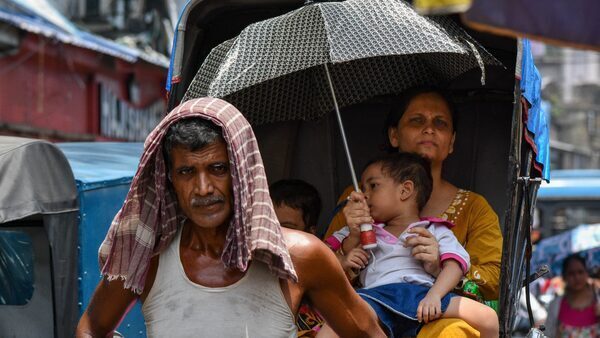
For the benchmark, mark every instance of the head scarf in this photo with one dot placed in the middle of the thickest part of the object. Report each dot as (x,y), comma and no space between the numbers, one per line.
(149,218)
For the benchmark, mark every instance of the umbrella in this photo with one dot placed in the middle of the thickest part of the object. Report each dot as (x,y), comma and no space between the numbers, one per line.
(304,64)
(584,239)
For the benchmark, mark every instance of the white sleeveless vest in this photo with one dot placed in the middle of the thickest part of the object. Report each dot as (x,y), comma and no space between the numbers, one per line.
(254,306)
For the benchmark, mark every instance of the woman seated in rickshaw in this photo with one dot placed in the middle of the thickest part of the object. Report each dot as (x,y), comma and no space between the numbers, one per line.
(423,121)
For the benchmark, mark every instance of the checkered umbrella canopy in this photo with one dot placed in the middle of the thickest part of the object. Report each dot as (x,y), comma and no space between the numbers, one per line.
(274,70)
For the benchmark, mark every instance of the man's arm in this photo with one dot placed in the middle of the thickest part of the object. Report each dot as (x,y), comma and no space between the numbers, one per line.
(108,306)
(324,282)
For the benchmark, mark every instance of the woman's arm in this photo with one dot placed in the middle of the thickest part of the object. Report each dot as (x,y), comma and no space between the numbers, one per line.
(484,245)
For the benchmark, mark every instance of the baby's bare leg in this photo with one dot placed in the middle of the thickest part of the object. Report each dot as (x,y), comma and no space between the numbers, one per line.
(481,317)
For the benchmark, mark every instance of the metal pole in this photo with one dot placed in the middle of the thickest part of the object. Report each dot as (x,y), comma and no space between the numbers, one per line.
(344,140)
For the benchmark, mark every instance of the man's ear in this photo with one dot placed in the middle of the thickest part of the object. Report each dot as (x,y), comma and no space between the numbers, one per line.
(407,189)
(393,136)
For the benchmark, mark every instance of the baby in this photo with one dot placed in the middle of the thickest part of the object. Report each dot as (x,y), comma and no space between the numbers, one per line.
(396,285)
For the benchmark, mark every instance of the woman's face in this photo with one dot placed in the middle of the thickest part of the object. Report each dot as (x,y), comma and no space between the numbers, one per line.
(576,276)
(425,128)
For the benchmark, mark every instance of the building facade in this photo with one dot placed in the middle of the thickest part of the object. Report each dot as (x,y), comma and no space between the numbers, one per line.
(571,85)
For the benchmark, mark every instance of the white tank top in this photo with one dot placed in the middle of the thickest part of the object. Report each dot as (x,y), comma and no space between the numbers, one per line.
(254,306)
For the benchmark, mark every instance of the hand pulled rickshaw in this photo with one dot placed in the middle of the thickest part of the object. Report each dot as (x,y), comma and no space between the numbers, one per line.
(501,151)
(495,156)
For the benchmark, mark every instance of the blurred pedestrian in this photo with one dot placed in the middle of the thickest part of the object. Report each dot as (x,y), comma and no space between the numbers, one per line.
(577,312)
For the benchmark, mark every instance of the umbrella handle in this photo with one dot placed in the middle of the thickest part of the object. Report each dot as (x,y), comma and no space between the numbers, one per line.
(367,233)
(343,133)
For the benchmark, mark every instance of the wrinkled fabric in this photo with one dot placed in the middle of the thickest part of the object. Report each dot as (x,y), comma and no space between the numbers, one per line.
(149,218)
(537,119)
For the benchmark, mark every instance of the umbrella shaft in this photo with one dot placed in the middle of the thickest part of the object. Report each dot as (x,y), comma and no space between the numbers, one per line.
(343,133)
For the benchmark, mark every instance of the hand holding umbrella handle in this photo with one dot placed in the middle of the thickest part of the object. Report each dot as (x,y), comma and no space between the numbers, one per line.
(368,240)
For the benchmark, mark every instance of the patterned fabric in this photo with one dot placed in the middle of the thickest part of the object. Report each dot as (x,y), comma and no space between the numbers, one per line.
(149,218)
(309,321)
(567,331)
(578,323)
(274,69)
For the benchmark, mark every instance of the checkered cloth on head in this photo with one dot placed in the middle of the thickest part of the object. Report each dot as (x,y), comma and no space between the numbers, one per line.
(149,218)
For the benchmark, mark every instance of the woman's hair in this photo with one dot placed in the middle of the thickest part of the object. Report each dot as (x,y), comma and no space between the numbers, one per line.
(408,166)
(400,103)
(569,259)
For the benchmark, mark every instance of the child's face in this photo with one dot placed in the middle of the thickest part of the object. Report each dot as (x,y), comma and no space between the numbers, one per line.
(382,192)
(291,218)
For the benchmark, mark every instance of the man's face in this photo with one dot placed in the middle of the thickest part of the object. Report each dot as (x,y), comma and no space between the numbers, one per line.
(202,183)
(291,218)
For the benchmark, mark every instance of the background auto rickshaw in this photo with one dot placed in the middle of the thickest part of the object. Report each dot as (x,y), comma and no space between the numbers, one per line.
(496,153)
(56,204)
(571,199)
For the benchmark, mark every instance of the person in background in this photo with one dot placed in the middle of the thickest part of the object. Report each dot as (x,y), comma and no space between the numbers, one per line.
(577,312)
(297,206)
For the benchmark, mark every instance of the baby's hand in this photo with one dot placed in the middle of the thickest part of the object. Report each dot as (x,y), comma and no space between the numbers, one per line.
(356,213)
(357,258)
(430,308)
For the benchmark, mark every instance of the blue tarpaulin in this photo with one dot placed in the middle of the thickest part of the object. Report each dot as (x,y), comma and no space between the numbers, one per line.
(103,172)
(584,240)
(538,120)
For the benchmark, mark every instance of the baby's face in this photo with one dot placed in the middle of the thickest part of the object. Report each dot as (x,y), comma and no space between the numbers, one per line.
(382,193)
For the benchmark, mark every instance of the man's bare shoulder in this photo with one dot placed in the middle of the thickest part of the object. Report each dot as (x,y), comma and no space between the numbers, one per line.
(313,260)
(301,244)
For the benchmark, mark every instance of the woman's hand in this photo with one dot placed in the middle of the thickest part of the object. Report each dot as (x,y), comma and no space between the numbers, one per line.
(357,212)
(357,259)
(425,249)
(430,308)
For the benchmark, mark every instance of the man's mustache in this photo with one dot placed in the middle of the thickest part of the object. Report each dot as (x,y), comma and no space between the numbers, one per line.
(205,201)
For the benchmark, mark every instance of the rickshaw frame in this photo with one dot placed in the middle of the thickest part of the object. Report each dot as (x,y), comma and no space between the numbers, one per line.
(522,179)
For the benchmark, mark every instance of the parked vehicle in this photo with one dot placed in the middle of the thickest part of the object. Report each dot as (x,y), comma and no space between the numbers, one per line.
(570,199)
(56,204)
